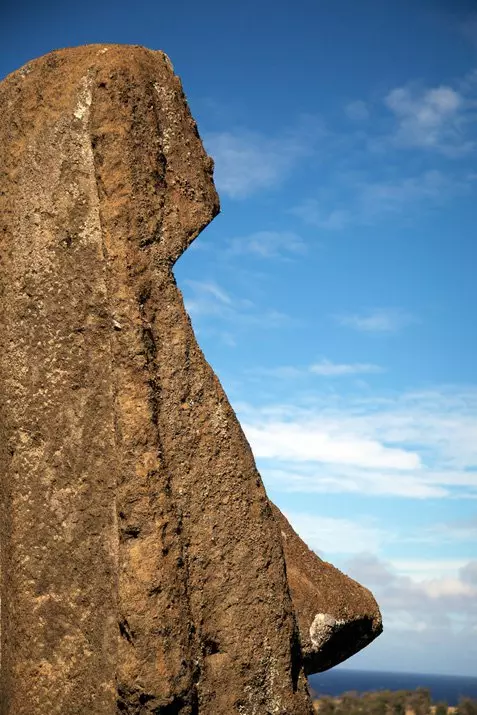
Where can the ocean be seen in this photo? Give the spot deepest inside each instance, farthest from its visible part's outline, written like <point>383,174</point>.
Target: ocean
<point>447,688</point>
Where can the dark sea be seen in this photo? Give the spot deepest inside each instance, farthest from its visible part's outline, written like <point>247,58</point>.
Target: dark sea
<point>442,687</point>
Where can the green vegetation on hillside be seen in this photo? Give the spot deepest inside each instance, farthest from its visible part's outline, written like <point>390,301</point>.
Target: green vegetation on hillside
<point>387,702</point>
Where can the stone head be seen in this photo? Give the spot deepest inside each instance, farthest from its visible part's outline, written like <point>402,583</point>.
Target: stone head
<point>144,569</point>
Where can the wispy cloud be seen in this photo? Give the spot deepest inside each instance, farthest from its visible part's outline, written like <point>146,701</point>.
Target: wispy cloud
<point>416,597</point>
<point>358,110</point>
<point>316,212</point>
<point>322,368</point>
<point>326,368</point>
<point>309,478</point>
<point>434,121</point>
<point>366,201</point>
<point>247,162</point>
<point>421,594</point>
<point>316,442</point>
<point>430,570</point>
<point>206,299</point>
<point>379,320</point>
<point>431,186</point>
<point>454,531</point>
<point>209,288</point>
<point>329,535</point>
<point>268,244</point>
<point>281,372</point>
<point>468,573</point>
<point>434,118</point>
<point>421,611</point>
<point>415,445</point>
<point>361,539</point>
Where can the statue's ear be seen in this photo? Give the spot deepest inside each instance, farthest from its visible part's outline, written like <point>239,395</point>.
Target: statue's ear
<point>336,616</point>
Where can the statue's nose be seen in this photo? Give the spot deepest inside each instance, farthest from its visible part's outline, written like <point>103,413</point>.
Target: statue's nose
<point>336,616</point>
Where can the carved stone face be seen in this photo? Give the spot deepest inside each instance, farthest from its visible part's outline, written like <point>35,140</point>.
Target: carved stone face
<point>144,569</point>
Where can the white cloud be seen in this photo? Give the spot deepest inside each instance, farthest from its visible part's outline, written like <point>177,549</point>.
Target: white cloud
<point>392,196</point>
<point>349,479</point>
<point>300,442</point>
<point>370,201</point>
<point>436,615</point>
<point>337,536</point>
<point>429,108</point>
<point>434,118</point>
<point>428,570</point>
<point>281,372</point>
<point>407,598</point>
<point>209,288</point>
<point>458,530</point>
<point>468,573</point>
<point>326,368</point>
<point>323,368</point>
<point>206,299</point>
<point>442,608</point>
<point>315,213</point>
<point>268,244</point>
<point>357,111</point>
<point>437,120</point>
<point>360,539</point>
<point>442,421</point>
<point>247,162</point>
<point>379,320</point>
<point>415,445</point>
<point>435,588</point>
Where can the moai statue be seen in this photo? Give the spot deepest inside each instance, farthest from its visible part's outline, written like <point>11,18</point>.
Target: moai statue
<point>143,567</point>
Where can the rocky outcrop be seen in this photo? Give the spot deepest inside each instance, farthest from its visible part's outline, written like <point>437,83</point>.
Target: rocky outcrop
<point>142,564</point>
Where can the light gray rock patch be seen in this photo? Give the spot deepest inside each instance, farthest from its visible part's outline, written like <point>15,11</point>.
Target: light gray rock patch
<point>323,628</point>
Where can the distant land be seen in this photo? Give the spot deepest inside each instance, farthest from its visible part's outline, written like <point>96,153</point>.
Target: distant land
<point>448,688</point>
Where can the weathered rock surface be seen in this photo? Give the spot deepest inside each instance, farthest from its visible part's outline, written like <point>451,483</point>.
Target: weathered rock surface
<point>142,566</point>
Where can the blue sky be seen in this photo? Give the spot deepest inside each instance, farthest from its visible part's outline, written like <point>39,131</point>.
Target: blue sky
<point>335,295</point>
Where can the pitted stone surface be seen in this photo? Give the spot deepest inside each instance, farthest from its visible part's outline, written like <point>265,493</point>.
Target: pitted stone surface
<point>142,566</point>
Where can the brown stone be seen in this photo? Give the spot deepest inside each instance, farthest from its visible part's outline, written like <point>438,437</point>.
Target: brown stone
<point>142,566</point>
<point>336,616</point>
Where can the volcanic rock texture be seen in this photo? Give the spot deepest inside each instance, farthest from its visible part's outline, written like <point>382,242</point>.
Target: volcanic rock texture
<point>142,566</point>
